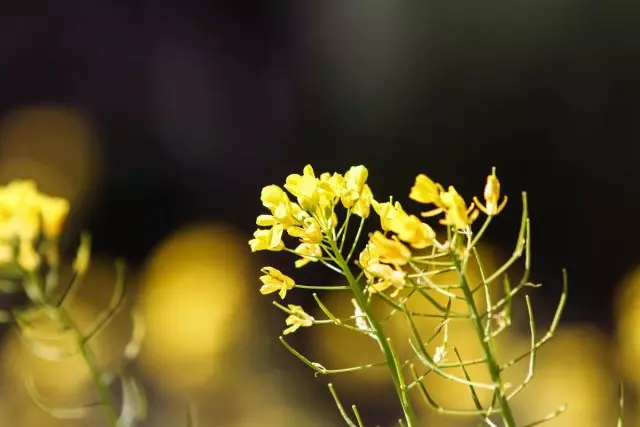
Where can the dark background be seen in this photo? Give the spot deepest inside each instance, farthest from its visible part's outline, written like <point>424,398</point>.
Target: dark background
<point>197,105</point>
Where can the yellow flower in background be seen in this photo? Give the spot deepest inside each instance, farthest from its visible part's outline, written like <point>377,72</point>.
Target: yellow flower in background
<point>388,250</point>
<point>26,214</point>
<point>28,257</point>
<point>492,204</point>
<point>297,318</point>
<point>54,213</point>
<point>269,239</point>
<point>304,187</point>
<point>308,252</point>
<point>456,212</point>
<point>274,281</point>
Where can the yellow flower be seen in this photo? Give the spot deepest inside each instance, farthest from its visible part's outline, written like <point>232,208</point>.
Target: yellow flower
<point>354,182</point>
<point>25,213</point>
<point>456,212</point>
<point>273,196</point>
<point>491,197</point>
<point>54,214</point>
<point>297,318</point>
<point>390,251</point>
<point>330,188</point>
<point>426,191</point>
<point>24,223</point>
<point>388,213</point>
<point>380,276</point>
<point>389,278</point>
<point>304,187</point>
<point>28,257</point>
<point>308,252</point>
<point>415,232</point>
<point>283,211</point>
<point>310,232</point>
<point>362,207</point>
<point>274,281</point>
<point>269,239</point>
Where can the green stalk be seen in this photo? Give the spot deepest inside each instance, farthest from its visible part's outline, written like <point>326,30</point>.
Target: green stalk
<point>390,358</point>
<point>492,363</point>
<point>106,399</point>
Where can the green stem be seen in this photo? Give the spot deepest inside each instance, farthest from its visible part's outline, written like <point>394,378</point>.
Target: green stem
<point>390,358</point>
<point>87,355</point>
<point>97,376</point>
<point>492,363</point>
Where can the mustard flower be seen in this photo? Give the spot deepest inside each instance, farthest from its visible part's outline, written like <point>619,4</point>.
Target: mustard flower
<point>414,232</point>
<point>362,206</point>
<point>274,281</point>
<point>269,239</point>
<point>388,250</point>
<point>310,232</point>
<point>297,318</point>
<point>354,182</point>
<point>28,257</point>
<point>456,212</point>
<point>380,276</point>
<point>330,187</point>
<point>26,213</point>
<point>304,187</point>
<point>283,210</point>
<point>54,213</point>
<point>383,277</point>
<point>388,213</point>
<point>492,204</point>
<point>426,191</point>
<point>308,252</point>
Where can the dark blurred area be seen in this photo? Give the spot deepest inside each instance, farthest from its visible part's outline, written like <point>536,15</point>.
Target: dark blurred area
<point>160,117</point>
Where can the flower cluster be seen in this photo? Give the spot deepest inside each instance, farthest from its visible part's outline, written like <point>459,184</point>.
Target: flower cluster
<point>27,216</point>
<point>310,216</point>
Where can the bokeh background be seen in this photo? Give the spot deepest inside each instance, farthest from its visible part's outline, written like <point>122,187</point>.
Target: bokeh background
<point>162,120</point>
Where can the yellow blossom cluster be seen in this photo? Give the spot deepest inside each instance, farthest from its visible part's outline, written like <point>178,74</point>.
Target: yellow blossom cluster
<point>27,215</point>
<point>311,218</point>
<point>312,215</point>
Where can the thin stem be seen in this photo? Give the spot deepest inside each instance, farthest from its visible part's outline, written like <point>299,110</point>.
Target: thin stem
<point>98,378</point>
<point>385,346</point>
<point>492,363</point>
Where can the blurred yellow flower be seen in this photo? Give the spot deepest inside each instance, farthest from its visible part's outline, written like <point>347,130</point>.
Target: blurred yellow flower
<point>274,281</point>
<point>297,318</point>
